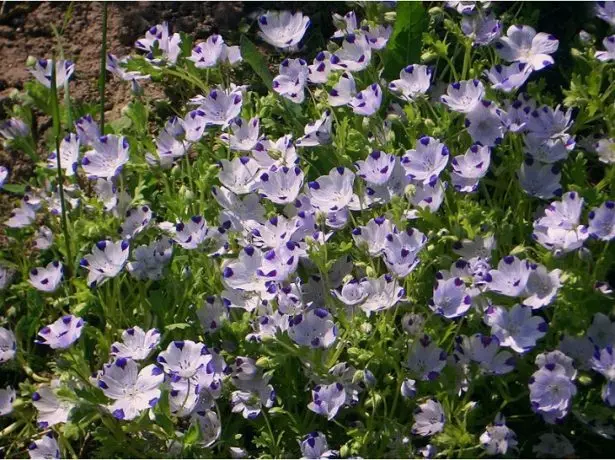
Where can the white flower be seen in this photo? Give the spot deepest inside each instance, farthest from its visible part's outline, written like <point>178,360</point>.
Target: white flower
<point>283,29</point>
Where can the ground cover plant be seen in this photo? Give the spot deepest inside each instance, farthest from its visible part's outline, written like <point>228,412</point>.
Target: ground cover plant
<point>394,243</point>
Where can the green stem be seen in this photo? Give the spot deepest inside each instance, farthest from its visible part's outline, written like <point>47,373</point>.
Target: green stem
<point>103,69</point>
<point>55,110</point>
<point>466,60</point>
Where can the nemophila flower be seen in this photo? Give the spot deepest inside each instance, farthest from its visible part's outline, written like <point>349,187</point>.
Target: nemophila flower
<point>510,77</point>
<point>88,130</point>
<point>482,29</point>
<point>554,444</point>
<point>484,350</point>
<point>548,150</point>
<point>426,161</point>
<point>241,274</point>
<point>47,279</point>
<point>351,293</point>
<point>425,359</point>
<point>542,286</point>
<point>547,122</point>
<point>464,96</point>
<point>461,6</point>
<point>274,232</point>
<point>605,148</point>
<point>354,55</point>
<point>470,167</point>
<point>373,235</point>
<point>540,180</point>
<point>42,72</point>
<point>133,391</point>
<point>327,400</point>
<point>191,233</point>
<point>21,216</point>
<point>51,409</point>
<point>510,278</point>
<point>283,29</point>
<point>156,40</point>
<point>212,314</point>
<point>378,35</point>
<point>333,191</point>
<point>114,65</point>
<point>602,331</point>
<point>497,439</point>
<point>14,128</point>
<point>4,174</point>
<point>412,324</point>
<point>515,328</point>
<point>603,362</point>
<point>184,359</point>
<point>485,124</point>
<point>282,152</point>
<point>279,263</point>
<point>518,113</point>
<point>602,221</point>
<point>136,220</point>
<point>281,185</point>
<point>291,81</point>
<point>580,349</point>
<point>551,392</point>
<point>150,260</point>
<point>244,134</point>
<point>609,54</point>
<point>523,44</point>
<point>377,168</point>
<point>239,175</point>
<point>254,393</point>
<point>194,124</point>
<point>106,192</point>
<point>213,51</point>
<point>408,388</point>
<point>184,396</point>
<point>106,261</point>
<point>345,25</point>
<point>209,425</point>
<point>45,447</point>
<point>383,293</point>
<point>557,358</point>
<point>69,155</point>
<point>414,80</point>
<point>367,102</point>
<point>320,69</point>
<point>220,106</point>
<point>62,333</point>
<point>343,91</point>
<point>8,345</point>
<point>605,11</point>
<point>559,230</point>
<point>451,299</point>
<point>313,328</point>
<point>401,250</point>
<point>108,158</point>
<point>317,132</point>
<point>428,419</point>
<point>7,397</point>
<point>314,445</point>
<point>171,143</point>
<point>136,344</point>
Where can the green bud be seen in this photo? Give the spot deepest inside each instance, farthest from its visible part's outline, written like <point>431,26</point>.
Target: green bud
<point>366,328</point>
<point>435,10</point>
<point>575,53</point>
<point>429,123</point>
<point>428,56</point>
<point>344,451</point>
<point>30,61</point>
<point>264,362</point>
<point>390,16</point>
<point>358,377</point>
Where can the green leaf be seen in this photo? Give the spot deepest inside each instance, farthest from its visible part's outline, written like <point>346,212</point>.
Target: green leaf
<point>252,56</point>
<point>18,189</point>
<point>405,44</point>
